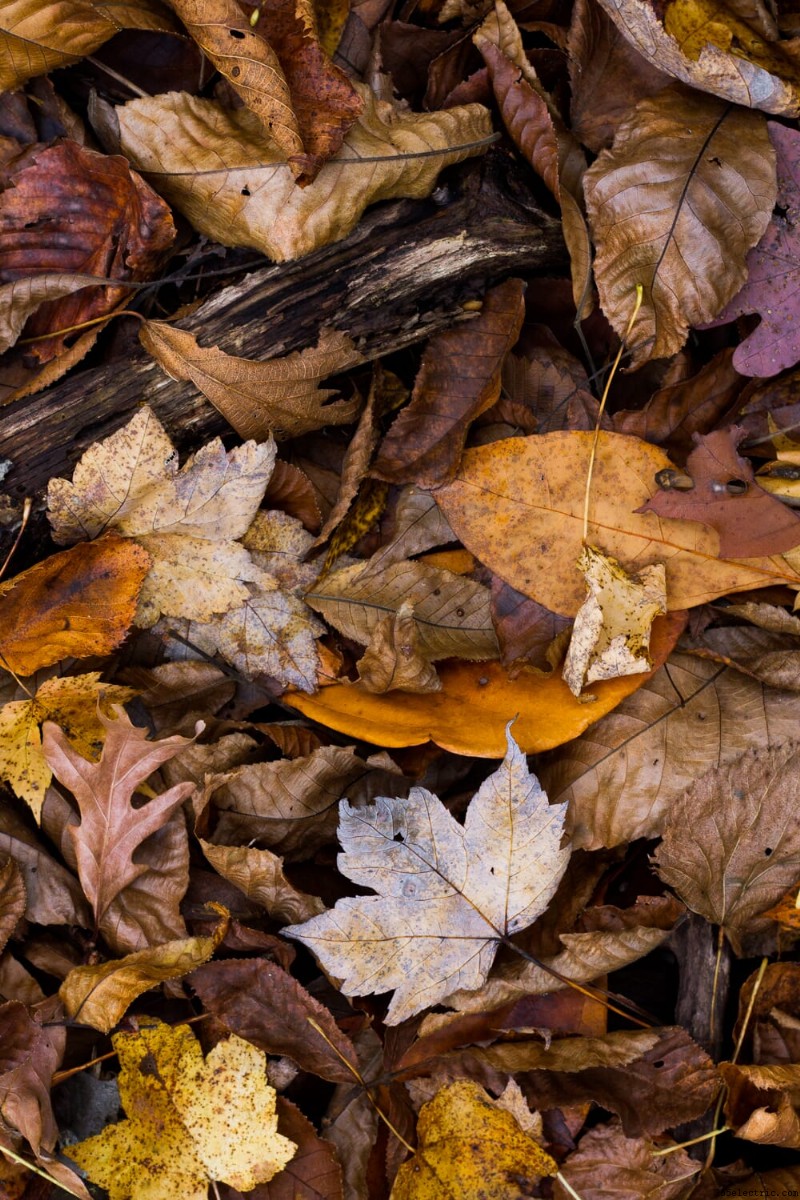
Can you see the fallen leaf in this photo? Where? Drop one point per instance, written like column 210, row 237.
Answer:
column 518, row 506
column 459, row 378
column 762, row 1103
column 214, row 165
column 480, row 883
column 73, row 702
column 623, row 779
column 526, row 631
column 192, row 1120
column 476, row 701
column 313, row 1172
column 726, row 496
column 22, row 297
column 259, row 874
column 12, row 899
column 730, row 849
column 686, row 178
column 771, row 288
column 280, row 397
column 71, row 605
column 707, row 46
column 395, row 658
column 52, row 893
column 101, row 995
column 611, row 635
column 264, row 1004
column 606, row 1161
column 787, row 911
column 111, row 829
column 468, row 1147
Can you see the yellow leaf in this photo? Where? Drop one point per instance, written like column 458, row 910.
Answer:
column 191, row 1120
column 72, row 703
column 468, row 1149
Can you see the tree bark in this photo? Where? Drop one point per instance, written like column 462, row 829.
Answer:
column 401, row 276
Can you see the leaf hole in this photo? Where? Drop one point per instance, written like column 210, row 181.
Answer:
column 245, row 191
column 737, row 487
column 398, row 837
column 236, row 72
column 237, row 33
column 768, row 851
column 660, row 1063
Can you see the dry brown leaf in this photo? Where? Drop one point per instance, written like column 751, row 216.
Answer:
column 763, row 1103
column 394, row 659
column 417, row 524
column 279, row 397
column 21, row 298
column 53, row 894
column 518, row 506
column 479, row 882
column 357, row 457
column 13, row 899
column 623, row 779
column 247, row 61
column 452, row 613
column 111, row 829
column 611, row 634
column 688, row 178
column 73, row 703
column 71, row 605
column 259, row 874
column 214, row 166
column 101, row 995
column 607, row 1163
column 731, row 846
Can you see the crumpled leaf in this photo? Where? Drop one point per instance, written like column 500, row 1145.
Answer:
column 623, row 779
column 687, row 179
column 21, row 298
column 279, row 397
column 111, row 829
column 611, row 635
column 394, row 659
column 705, row 45
column 771, row 289
column 730, row 845
column 763, row 1102
column 36, row 36
column 259, row 874
column 726, row 496
column 72, row 702
column 459, row 378
column 53, row 894
column 479, row 882
column 452, row 613
column 606, row 1161
column 214, row 165
column 192, row 1120
column 71, row 605
column 518, row 506
column 469, row 1147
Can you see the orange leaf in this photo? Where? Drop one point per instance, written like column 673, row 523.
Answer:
column 469, row 714
column 72, row 605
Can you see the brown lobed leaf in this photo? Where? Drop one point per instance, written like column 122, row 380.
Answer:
column 459, row 378
column 730, row 846
column 74, row 604
column 280, row 397
column 687, row 179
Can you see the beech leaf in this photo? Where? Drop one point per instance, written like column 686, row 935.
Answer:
column 448, row 894
column 687, row 178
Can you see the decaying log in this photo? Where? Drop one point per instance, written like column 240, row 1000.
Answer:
column 402, row 275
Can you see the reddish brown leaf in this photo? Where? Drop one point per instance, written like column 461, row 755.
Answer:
column 73, row 604
column 458, row 380
column 68, row 209
column 726, row 496
column 525, row 629
column 258, row 1001
column 292, row 491
column 313, row 1173
column 607, row 1163
column 30, row 1054
column 53, row 894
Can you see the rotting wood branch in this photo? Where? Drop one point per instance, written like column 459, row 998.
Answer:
column 401, row 276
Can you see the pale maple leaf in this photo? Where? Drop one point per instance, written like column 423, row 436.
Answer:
column 448, row 894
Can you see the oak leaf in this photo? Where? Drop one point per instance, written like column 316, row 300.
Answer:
column 192, row 1120
column 215, row 166
column 111, row 829
column 71, row 605
column 73, row 702
column 478, row 883
column 469, row 1147
column 687, row 177
column 518, row 506
column 279, row 397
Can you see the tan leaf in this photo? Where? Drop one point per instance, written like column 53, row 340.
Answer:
column 247, row 61
column 191, row 1120
column 607, row 1162
column 622, row 780
column 418, row 524
column 195, row 578
column 763, row 1103
column 214, row 166
column 730, row 846
column 100, row 996
column 111, row 829
column 394, row 660
column 452, row 613
column 21, row 298
column 280, row 397
column 468, row 1147
column 357, row 458
column 478, row 883
column 611, row 634
column 259, row 874
column 518, row 506
column 688, row 177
